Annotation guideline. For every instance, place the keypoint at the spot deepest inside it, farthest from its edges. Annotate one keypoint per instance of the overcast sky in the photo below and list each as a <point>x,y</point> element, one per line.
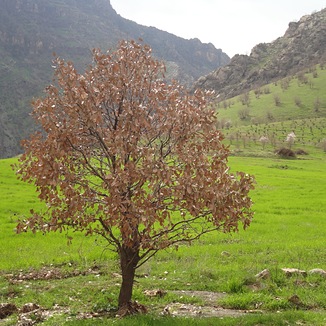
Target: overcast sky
<point>235,26</point>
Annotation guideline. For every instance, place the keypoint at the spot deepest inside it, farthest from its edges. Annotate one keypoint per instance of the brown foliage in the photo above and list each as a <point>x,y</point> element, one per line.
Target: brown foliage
<point>286,152</point>
<point>300,152</point>
<point>131,158</point>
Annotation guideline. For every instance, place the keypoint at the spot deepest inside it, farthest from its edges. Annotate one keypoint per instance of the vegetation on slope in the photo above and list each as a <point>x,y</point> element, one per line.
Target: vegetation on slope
<point>293,104</point>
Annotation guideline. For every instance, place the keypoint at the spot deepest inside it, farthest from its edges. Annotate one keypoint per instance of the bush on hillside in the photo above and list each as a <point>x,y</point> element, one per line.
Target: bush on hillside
<point>301,152</point>
<point>285,153</point>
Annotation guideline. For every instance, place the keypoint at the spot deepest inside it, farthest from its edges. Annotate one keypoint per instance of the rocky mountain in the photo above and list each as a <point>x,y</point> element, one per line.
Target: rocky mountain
<point>31,30</point>
<point>303,44</point>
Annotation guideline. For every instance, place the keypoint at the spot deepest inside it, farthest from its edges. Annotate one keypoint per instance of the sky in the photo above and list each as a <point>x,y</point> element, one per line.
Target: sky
<point>235,26</point>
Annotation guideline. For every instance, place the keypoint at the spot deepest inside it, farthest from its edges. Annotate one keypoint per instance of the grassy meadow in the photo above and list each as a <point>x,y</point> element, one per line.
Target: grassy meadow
<point>78,284</point>
<point>288,231</point>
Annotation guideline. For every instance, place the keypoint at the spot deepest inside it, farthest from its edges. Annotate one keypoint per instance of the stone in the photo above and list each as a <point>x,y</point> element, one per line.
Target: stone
<point>294,271</point>
<point>318,271</point>
<point>155,293</point>
<point>264,274</point>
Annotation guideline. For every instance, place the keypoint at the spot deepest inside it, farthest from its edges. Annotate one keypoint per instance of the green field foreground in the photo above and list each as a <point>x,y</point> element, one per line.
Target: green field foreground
<point>288,231</point>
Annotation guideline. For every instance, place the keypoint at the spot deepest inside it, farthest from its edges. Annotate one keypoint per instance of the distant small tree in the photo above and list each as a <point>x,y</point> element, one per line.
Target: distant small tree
<point>231,138</point>
<point>270,116</point>
<point>273,139</point>
<point>322,144</point>
<point>245,139</point>
<point>302,78</point>
<point>290,139</point>
<point>277,100</point>
<point>297,101</point>
<point>313,71</point>
<point>263,140</point>
<point>285,83</point>
<point>317,104</point>
<point>267,90</point>
<point>228,124</point>
<point>244,114</point>
<point>130,158</point>
<point>257,92</point>
<point>245,99</point>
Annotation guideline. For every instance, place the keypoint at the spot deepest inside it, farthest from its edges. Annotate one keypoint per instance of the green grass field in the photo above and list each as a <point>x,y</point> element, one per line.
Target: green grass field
<point>288,231</point>
<point>75,282</point>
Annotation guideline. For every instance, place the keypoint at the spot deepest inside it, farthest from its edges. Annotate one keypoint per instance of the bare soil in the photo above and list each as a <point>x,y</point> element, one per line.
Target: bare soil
<point>209,307</point>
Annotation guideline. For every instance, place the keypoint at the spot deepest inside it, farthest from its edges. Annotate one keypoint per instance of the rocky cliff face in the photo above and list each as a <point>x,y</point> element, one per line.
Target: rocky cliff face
<point>31,30</point>
<point>303,44</point>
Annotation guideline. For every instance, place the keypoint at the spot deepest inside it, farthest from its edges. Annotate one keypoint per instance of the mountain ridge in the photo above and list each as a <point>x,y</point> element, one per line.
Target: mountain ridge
<point>31,30</point>
<point>302,45</point>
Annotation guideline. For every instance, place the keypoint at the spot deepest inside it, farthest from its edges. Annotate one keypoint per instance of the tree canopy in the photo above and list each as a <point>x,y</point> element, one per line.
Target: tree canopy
<point>128,156</point>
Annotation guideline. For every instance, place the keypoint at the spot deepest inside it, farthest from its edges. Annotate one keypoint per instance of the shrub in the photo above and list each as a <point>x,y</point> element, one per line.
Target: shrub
<point>277,100</point>
<point>244,114</point>
<point>285,152</point>
<point>300,152</point>
<point>297,101</point>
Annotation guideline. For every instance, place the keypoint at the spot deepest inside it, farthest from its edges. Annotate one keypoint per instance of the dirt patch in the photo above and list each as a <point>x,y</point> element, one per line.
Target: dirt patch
<point>30,316</point>
<point>7,309</point>
<point>208,309</point>
<point>207,296</point>
<point>190,310</point>
<point>48,273</point>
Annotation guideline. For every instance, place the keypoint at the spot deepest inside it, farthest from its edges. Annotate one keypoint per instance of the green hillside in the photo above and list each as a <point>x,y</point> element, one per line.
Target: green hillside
<point>293,104</point>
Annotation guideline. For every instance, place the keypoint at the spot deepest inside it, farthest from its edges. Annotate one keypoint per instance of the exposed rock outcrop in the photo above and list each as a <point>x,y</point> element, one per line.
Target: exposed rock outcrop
<point>303,44</point>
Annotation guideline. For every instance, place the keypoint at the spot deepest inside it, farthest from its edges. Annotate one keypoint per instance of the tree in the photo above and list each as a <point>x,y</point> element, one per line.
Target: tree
<point>290,138</point>
<point>322,144</point>
<point>258,92</point>
<point>317,104</point>
<point>244,114</point>
<point>263,140</point>
<point>245,99</point>
<point>297,101</point>
<point>277,100</point>
<point>133,159</point>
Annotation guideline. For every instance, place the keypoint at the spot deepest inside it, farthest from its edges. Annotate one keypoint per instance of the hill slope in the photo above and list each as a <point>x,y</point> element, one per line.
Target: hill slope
<point>303,45</point>
<point>31,30</point>
<point>258,122</point>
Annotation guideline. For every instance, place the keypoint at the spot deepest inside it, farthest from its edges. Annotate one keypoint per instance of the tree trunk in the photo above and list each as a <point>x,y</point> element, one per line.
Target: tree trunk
<point>129,259</point>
